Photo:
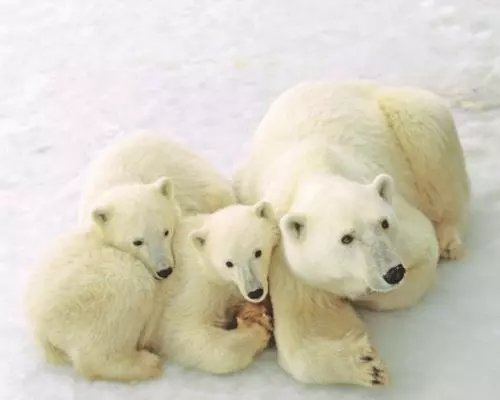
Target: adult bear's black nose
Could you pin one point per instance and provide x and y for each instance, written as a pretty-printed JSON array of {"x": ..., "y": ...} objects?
[
  {"x": 165, "y": 273},
  {"x": 256, "y": 294},
  {"x": 395, "y": 274}
]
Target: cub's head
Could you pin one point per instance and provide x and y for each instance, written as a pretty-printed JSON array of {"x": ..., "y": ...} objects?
[
  {"x": 140, "y": 219},
  {"x": 237, "y": 241},
  {"x": 340, "y": 236}
]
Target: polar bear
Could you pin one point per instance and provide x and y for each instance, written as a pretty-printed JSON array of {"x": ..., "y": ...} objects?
[
  {"x": 370, "y": 185},
  {"x": 143, "y": 157},
  {"x": 222, "y": 260},
  {"x": 93, "y": 292}
]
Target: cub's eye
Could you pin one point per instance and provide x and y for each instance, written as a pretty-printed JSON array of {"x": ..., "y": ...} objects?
[
  {"x": 138, "y": 242},
  {"x": 384, "y": 224},
  {"x": 229, "y": 264},
  {"x": 257, "y": 253},
  {"x": 346, "y": 239},
  {"x": 166, "y": 233}
]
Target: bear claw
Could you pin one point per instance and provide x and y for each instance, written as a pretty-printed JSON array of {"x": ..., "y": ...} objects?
[
  {"x": 372, "y": 369},
  {"x": 450, "y": 243},
  {"x": 250, "y": 314},
  {"x": 450, "y": 253}
]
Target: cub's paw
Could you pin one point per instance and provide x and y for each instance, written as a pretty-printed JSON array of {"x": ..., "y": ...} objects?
[
  {"x": 250, "y": 314},
  {"x": 256, "y": 317}
]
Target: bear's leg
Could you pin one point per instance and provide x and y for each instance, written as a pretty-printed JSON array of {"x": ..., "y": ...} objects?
[
  {"x": 148, "y": 339},
  {"x": 423, "y": 127},
  {"x": 319, "y": 337},
  {"x": 126, "y": 367},
  {"x": 343, "y": 353},
  {"x": 216, "y": 350},
  {"x": 103, "y": 342},
  {"x": 350, "y": 359},
  {"x": 418, "y": 246},
  {"x": 450, "y": 241}
]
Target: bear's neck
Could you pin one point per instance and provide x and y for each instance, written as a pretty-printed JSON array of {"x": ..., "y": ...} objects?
[
  {"x": 305, "y": 162},
  {"x": 283, "y": 196},
  {"x": 308, "y": 162},
  {"x": 221, "y": 296},
  {"x": 315, "y": 176}
]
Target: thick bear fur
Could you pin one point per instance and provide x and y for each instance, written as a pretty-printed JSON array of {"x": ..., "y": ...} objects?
[
  {"x": 144, "y": 157},
  {"x": 364, "y": 178},
  {"x": 222, "y": 262},
  {"x": 92, "y": 295}
]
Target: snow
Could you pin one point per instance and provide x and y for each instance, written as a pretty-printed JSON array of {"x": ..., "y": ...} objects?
[{"x": 75, "y": 74}]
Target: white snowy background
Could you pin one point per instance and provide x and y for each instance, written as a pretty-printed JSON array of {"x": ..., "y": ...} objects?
[{"x": 75, "y": 74}]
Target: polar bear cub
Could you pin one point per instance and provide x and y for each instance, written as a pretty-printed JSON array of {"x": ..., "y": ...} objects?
[
  {"x": 223, "y": 262},
  {"x": 92, "y": 294},
  {"x": 144, "y": 157}
]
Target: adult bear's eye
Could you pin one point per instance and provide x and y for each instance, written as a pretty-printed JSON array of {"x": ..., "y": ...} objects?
[
  {"x": 229, "y": 264},
  {"x": 257, "y": 253},
  {"x": 385, "y": 224},
  {"x": 166, "y": 233},
  {"x": 138, "y": 242},
  {"x": 347, "y": 239}
]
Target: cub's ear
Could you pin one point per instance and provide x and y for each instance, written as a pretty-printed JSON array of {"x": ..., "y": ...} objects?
[
  {"x": 199, "y": 237},
  {"x": 384, "y": 185},
  {"x": 100, "y": 215},
  {"x": 263, "y": 209},
  {"x": 293, "y": 225},
  {"x": 165, "y": 186}
]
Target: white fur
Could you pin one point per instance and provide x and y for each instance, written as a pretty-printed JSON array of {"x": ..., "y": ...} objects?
[
  {"x": 143, "y": 158},
  {"x": 92, "y": 294},
  {"x": 336, "y": 159},
  {"x": 193, "y": 303}
]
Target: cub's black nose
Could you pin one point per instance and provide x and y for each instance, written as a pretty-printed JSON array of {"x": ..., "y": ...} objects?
[
  {"x": 256, "y": 294},
  {"x": 395, "y": 274},
  {"x": 165, "y": 273}
]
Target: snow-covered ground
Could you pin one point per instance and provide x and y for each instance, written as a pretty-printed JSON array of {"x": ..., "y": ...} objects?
[{"x": 74, "y": 74}]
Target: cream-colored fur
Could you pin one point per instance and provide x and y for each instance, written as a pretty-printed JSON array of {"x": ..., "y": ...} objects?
[
  {"x": 93, "y": 293},
  {"x": 336, "y": 160},
  {"x": 193, "y": 305},
  {"x": 145, "y": 157},
  {"x": 319, "y": 337}
]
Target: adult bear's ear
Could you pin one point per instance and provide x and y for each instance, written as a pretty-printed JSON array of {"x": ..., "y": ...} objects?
[
  {"x": 384, "y": 185},
  {"x": 263, "y": 209},
  {"x": 165, "y": 186},
  {"x": 199, "y": 237},
  {"x": 293, "y": 225}
]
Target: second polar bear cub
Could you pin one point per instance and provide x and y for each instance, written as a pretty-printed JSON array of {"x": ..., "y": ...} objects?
[
  {"x": 223, "y": 260},
  {"x": 93, "y": 293},
  {"x": 144, "y": 157}
]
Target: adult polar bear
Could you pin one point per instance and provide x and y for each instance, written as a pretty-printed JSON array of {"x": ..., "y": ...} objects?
[{"x": 371, "y": 188}]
